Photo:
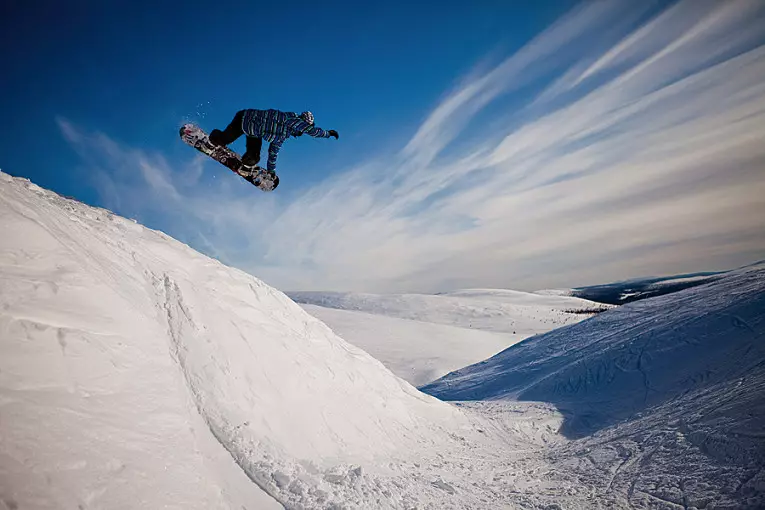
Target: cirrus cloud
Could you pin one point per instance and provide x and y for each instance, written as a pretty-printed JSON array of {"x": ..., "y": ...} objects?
[{"x": 640, "y": 150}]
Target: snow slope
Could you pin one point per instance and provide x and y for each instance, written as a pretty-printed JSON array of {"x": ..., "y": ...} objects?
[
  {"x": 629, "y": 356},
  {"x": 550, "y": 300},
  {"x": 501, "y": 311},
  {"x": 418, "y": 352},
  {"x": 129, "y": 364},
  {"x": 423, "y": 337},
  {"x": 622, "y": 292},
  {"x": 666, "y": 396},
  {"x": 555, "y": 292},
  {"x": 138, "y": 373}
]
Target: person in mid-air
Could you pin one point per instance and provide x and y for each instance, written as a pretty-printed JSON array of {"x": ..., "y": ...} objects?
[{"x": 272, "y": 125}]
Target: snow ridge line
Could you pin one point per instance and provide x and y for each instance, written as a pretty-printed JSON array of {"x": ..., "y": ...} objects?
[
  {"x": 172, "y": 300},
  {"x": 277, "y": 476}
]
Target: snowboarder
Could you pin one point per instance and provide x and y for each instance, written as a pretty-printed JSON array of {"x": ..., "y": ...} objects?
[{"x": 272, "y": 125}]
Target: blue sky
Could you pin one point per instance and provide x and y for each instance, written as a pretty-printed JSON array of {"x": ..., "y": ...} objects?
[
  {"x": 135, "y": 69},
  {"x": 482, "y": 144}
]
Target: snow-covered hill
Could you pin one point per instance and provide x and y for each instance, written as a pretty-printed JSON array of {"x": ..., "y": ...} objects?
[
  {"x": 502, "y": 311},
  {"x": 422, "y": 337},
  {"x": 622, "y": 292},
  {"x": 631, "y": 357},
  {"x": 555, "y": 292},
  {"x": 128, "y": 360},
  {"x": 666, "y": 394},
  {"x": 138, "y": 373},
  {"x": 418, "y": 352},
  {"x": 549, "y": 301}
]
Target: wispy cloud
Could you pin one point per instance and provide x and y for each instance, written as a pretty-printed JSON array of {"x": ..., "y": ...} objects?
[{"x": 640, "y": 150}]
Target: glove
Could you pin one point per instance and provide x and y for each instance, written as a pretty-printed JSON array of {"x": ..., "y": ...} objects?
[{"x": 332, "y": 132}]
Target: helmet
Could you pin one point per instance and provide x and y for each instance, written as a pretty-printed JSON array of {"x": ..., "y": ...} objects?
[{"x": 308, "y": 117}]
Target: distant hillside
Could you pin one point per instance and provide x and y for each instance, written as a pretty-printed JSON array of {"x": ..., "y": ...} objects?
[{"x": 619, "y": 293}]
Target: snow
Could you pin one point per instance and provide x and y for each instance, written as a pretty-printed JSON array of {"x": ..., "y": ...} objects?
[
  {"x": 500, "y": 311},
  {"x": 138, "y": 373},
  {"x": 624, "y": 296},
  {"x": 93, "y": 407},
  {"x": 622, "y": 292},
  {"x": 126, "y": 356},
  {"x": 422, "y": 337},
  {"x": 684, "y": 279},
  {"x": 666, "y": 396},
  {"x": 554, "y": 301},
  {"x": 555, "y": 292},
  {"x": 418, "y": 352}
]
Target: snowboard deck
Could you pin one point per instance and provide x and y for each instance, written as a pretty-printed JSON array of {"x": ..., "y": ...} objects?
[{"x": 263, "y": 179}]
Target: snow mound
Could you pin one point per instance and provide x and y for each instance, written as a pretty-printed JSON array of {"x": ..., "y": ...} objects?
[{"x": 128, "y": 360}]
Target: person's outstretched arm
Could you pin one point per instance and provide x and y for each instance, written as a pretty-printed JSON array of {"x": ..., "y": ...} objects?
[{"x": 310, "y": 130}]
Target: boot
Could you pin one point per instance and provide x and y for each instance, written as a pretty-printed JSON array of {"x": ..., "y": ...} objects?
[
  {"x": 214, "y": 137},
  {"x": 250, "y": 160}
]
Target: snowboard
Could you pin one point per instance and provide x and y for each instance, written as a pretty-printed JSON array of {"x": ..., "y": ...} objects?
[{"x": 264, "y": 179}]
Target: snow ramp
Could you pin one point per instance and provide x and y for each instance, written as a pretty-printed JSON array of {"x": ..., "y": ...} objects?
[{"x": 137, "y": 373}]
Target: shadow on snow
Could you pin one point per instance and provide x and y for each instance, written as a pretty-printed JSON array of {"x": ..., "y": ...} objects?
[{"x": 623, "y": 362}]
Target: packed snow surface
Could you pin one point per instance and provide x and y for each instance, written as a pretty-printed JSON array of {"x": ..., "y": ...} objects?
[{"x": 422, "y": 337}]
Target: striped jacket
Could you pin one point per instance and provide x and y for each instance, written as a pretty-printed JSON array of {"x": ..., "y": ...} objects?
[{"x": 275, "y": 127}]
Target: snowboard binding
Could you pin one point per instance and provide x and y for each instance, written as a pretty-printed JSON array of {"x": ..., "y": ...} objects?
[{"x": 265, "y": 180}]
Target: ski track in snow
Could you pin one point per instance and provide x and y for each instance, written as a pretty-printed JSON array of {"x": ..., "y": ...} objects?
[{"x": 137, "y": 373}]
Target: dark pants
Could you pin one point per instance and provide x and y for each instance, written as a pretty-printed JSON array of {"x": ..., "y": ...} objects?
[{"x": 234, "y": 131}]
